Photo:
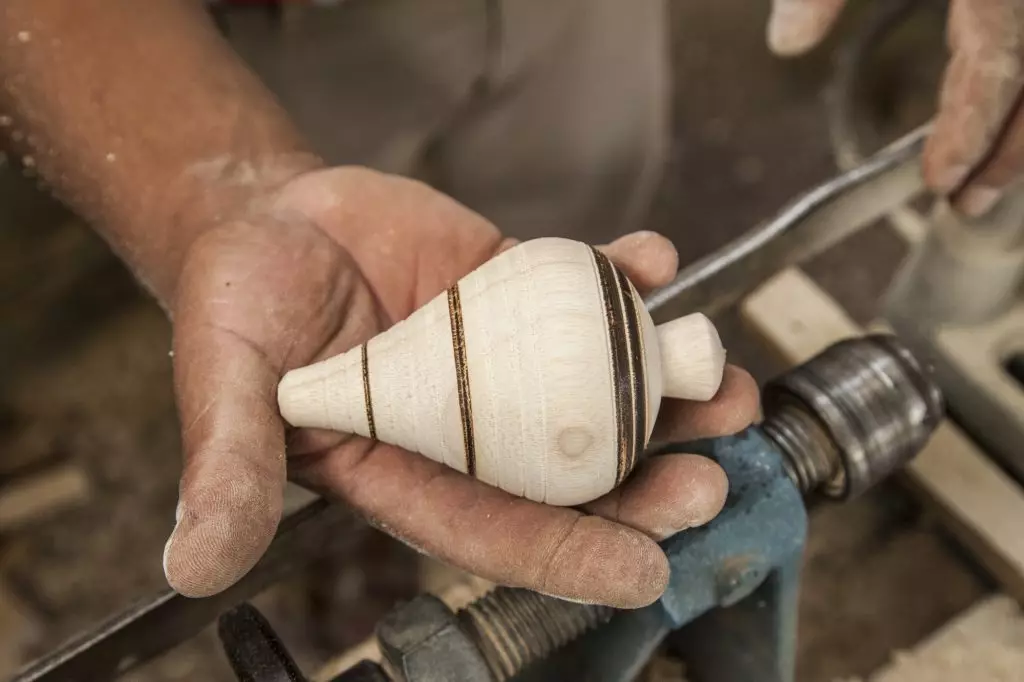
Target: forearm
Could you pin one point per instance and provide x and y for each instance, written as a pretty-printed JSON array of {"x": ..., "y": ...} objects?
[{"x": 143, "y": 121}]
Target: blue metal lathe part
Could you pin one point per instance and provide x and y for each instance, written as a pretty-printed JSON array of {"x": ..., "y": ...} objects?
[{"x": 733, "y": 589}]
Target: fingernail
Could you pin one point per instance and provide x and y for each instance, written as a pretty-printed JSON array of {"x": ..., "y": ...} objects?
[
  {"x": 178, "y": 513},
  {"x": 794, "y": 27},
  {"x": 707, "y": 500},
  {"x": 951, "y": 177},
  {"x": 976, "y": 201},
  {"x": 167, "y": 554}
]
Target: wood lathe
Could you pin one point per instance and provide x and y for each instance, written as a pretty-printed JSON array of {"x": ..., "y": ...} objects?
[{"x": 764, "y": 519}]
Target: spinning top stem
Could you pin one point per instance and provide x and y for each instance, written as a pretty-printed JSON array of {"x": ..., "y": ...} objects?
[{"x": 692, "y": 358}]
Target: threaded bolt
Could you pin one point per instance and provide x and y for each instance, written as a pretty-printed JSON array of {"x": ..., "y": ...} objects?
[{"x": 515, "y": 627}]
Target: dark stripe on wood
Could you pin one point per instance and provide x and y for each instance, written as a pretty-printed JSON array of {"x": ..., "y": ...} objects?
[
  {"x": 637, "y": 368},
  {"x": 621, "y": 381},
  {"x": 642, "y": 371},
  {"x": 366, "y": 395},
  {"x": 462, "y": 377}
]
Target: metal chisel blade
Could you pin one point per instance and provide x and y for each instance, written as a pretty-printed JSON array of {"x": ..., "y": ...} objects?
[{"x": 806, "y": 227}]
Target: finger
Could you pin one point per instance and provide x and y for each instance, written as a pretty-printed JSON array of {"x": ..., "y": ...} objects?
[
  {"x": 648, "y": 259},
  {"x": 230, "y": 497},
  {"x": 1005, "y": 166},
  {"x": 666, "y": 495},
  {"x": 980, "y": 88},
  {"x": 483, "y": 530},
  {"x": 234, "y": 473},
  {"x": 734, "y": 408},
  {"x": 506, "y": 244},
  {"x": 796, "y": 26}
]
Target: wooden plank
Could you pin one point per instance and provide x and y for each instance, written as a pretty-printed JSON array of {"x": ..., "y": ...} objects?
[
  {"x": 29, "y": 498},
  {"x": 985, "y": 644},
  {"x": 975, "y": 499}
]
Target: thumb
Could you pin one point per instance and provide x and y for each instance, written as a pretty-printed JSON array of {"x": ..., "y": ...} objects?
[
  {"x": 796, "y": 26},
  {"x": 232, "y": 485},
  {"x": 234, "y": 471}
]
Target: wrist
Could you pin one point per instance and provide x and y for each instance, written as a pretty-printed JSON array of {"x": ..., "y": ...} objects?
[
  {"x": 147, "y": 124},
  {"x": 206, "y": 194}
]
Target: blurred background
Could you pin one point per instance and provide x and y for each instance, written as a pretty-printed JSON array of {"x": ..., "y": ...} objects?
[{"x": 89, "y": 445}]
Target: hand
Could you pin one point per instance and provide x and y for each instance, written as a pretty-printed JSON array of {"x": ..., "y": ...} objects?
[
  {"x": 333, "y": 258},
  {"x": 976, "y": 148}
]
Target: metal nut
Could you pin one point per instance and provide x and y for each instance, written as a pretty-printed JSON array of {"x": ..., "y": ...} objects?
[{"x": 422, "y": 642}]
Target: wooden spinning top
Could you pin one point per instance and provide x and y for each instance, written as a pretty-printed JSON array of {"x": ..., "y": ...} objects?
[{"x": 540, "y": 372}]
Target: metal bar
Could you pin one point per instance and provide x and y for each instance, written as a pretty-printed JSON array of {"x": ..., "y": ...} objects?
[
  {"x": 807, "y": 227},
  {"x": 156, "y": 625}
]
